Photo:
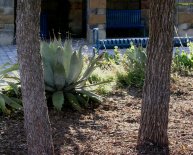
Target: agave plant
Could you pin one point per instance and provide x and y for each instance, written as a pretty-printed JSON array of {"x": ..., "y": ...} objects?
[
  {"x": 9, "y": 79},
  {"x": 64, "y": 76}
]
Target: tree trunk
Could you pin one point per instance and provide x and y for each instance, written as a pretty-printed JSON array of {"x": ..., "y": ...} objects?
[
  {"x": 156, "y": 93},
  {"x": 37, "y": 123}
]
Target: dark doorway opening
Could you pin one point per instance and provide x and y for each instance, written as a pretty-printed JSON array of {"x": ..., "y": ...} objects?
[
  {"x": 123, "y": 5},
  {"x": 63, "y": 16}
]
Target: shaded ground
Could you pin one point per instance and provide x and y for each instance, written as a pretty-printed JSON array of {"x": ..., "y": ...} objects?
[{"x": 110, "y": 129}]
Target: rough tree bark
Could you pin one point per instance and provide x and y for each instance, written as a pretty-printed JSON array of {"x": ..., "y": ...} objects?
[
  {"x": 37, "y": 123},
  {"x": 156, "y": 93}
]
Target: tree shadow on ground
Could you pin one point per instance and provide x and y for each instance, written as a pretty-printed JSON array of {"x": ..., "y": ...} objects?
[
  {"x": 150, "y": 149},
  {"x": 12, "y": 134},
  {"x": 70, "y": 128}
]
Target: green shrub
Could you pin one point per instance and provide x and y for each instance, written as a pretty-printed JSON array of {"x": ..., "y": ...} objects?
[
  {"x": 134, "y": 78},
  {"x": 134, "y": 62},
  {"x": 182, "y": 62},
  {"x": 65, "y": 75},
  {"x": 105, "y": 80},
  {"x": 10, "y": 93},
  {"x": 111, "y": 59}
]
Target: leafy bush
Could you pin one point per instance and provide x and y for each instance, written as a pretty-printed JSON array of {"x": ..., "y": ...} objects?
[
  {"x": 9, "y": 88},
  {"x": 183, "y": 61},
  {"x": 65, "y": 77},
  {"x": 105, "y": 77},
  {"x": 134, "y": 62},
  {"x": 111, "y": 59}
]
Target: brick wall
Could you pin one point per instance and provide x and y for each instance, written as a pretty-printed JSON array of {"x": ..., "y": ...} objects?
[{"x": 6, "y": 22}]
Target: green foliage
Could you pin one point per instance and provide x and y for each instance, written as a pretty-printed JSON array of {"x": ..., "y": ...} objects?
[
  {"x": 105, "y": 79},
  {"x": 111, "y": 59},
  {"x": 65, "y": 75},
  {"x": 134, "y": 62},
  {"x": 183, "y": 61},
  {"x": 9, "y": 88},
  {"x": 133, "y": 78}
]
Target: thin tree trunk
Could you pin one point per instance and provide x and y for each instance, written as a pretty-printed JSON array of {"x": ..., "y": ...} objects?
[
  {"x": 37, "y": 123},
  {"x": 156, "y": 93}
]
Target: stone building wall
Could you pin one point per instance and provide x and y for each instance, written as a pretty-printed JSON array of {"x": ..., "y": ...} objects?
[
  {"x": 145, "y": 12},
  {"x": 96, "y": 18},
  {"x": 6, "y": 22},
  {"x": 75, "y": 16},
  {"x": 184, "y": 20}
]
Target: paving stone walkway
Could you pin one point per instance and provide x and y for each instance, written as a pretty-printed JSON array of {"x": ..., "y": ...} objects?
[{"x": 9, "y": 53}]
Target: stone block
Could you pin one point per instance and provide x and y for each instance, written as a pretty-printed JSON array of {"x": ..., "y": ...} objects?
[
  {"x": 1, "y": 10},
  {"x": 92, "y": 11},
  {"x": 97, "y": 3},
  {"x": 185, "y": 18},
  {"x": 8, "y": 11},
  {"x": 1, "y": 26},
  {"x": 97, "y": 19},
  {"x": 7, "y": 3},
  {"x": 184, "y": 26},
  {"x": 6, "y": 19},
  {"x": 184, "y": 33},
  {"x": 101, "y": 11},
  {"x": 102, "y": 26}
]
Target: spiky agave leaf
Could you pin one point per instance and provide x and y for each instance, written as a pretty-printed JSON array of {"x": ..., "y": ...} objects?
[
  {"x": 48, "y": 74},
  {"x": 59, "y": 70},
  {"x": 55, "y": 43},
  {"x": 58, "y": 100},
  {"x": 92, "y": 96},
  {"x": 2, "y": 104},
  {"x": 68, "y": 51},
  {"x": 73, "y": 101},
  {"x": 81, "y": 62},
  {"x": 82, "y": 100},
  {"x": 14, "y": 87},
  {"x": 48, "y": 56},
  {"x": 14, "y": 78},
  {"x": 76, "y": 66},
  {"x": 4, "y": 65},
  {"x": 91, "y": 67},
  {"x": 11, "y": 102},
  {"x": 9, "y": 69},
  {"x": 49, "y": 88},
  {"x": 47, "y": 51}
]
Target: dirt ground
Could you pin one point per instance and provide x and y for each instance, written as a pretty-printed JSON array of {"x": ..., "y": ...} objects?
[{"x": 111, "y": 129}]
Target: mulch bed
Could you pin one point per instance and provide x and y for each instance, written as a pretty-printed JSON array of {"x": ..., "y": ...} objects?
[{"x": 110, "y": 129}]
